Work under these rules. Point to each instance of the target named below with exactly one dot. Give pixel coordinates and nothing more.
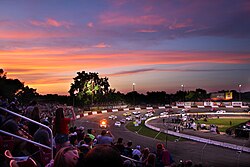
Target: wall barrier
(198, 139)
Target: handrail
(131, 159)
(22, 138)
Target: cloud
(181, 24)
(31, 34)
(146, 31)
(102, 45)
(49, 22)
(144, 70)
(118, 19)
(90, 25)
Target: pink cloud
(49, 22)
(119, 19)
(146, 31)
(90, 25)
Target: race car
(103, 123)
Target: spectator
(128, 149)
(30, 109)
(136, 154)
(150, 162)
(163, 157)
(42, 135)
(61, 128)
(119, 145)
(91, 133)
(106, 137)
(144, 156)
(103, 155)
(66, 157)
(34, 115)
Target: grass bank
(143, 130)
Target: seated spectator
(136, 154)
(103, 155)
(62, 141)
(66, 157)
(11, 125)
(42, 135)
(91, 133)
(129, 163)
(106, 137)
(128, 150)
(119, 145)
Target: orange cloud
(49, 66)
(31, 34)
(49, 22)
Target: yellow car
(126, 114)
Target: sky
(157, 44)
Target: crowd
(72, 146)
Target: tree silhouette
(9, 87)
(87, 86)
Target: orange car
(103, 123)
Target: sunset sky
(156, 44)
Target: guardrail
(27, 140)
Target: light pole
(165, 124)
(182, 89)
(240, 92)
(133, 87)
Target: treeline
(88, 89)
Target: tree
(26, 94)
(88, 86)
(9, 87)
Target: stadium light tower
(240, 92)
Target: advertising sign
(227, 103)
(188, 103)
(179, 103)
(217, 96)
(237, 104)
(228, 95)
(208, 104)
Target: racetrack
(209, 155)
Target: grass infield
(223, 123)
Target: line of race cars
(129, 116)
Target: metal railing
(25, 139)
